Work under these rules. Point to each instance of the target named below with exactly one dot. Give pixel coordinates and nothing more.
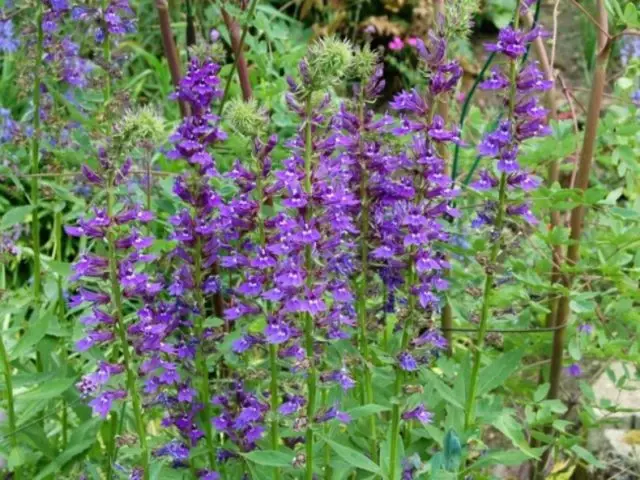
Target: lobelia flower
(409, 218)
(242, 416)
(419, 413)
(527, 120)
(574, 370)
(93, 269)
(585, 328)
(172, 333)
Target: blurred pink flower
(396, 44)
(413, 41)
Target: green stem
(116, 297)
(275, 438)
(397, 389)
(8, 380)
(204, 391)
(328, 472)
(57, 227)
(308, 319)
(273, 350)
(361, 301)
(484, 316)
(35, 184)
(35, 161)
(116, 426)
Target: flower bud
(246, 118)
(329, 61)
(364, 63)
(140, 126)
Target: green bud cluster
(246, 118)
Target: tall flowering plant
(112, 281)
(519, 86)
(196, 231)
(315, 238)
(412, 225)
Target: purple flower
(9, 42)
(510, 42)
(431, 338)
(419, 413)
(407, 362)
(291, 404)
(277, 331)
(574, 370)
(531, 79)
(332, 413)
(176, 450)
(93, 338)
(585, 328)
(496, 80)
(342, 377)
(101, 405)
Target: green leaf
(574, 349)
(541, 392)
(269, 458)
(353, 457)
(36, 330)
(47, 391)
(15, 216)
(507, 458)
(514, 432)
(495, 374)
(587, 456)
(366, 410)
(443, 389)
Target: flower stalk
(204, 391)
(400, 374)
(35, 160)
(361, 302)
(116, 295)
(57, 228)
(308, 319)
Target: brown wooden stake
(243, 71)
(582, 182)
(170, 51)
(577, 214)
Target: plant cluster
(268, 287)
